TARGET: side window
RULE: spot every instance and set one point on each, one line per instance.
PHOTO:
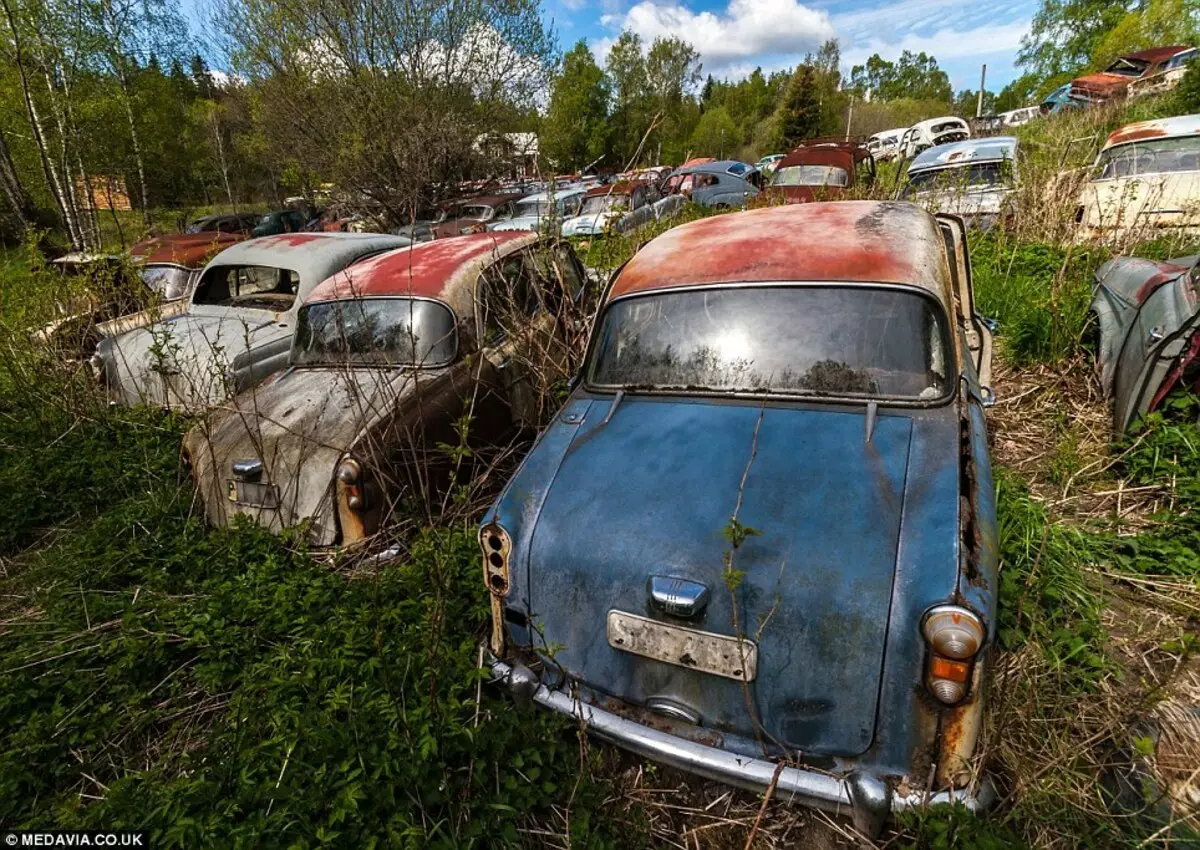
(505, 296)
(703, 180)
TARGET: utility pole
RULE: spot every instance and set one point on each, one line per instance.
(849, 117)
(982, 83)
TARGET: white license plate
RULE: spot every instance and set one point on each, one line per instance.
(253, 493)
(720, 655)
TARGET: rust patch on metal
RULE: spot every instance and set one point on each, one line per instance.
(698, 734)
(811, 242)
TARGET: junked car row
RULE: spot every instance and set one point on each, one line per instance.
(772, 364)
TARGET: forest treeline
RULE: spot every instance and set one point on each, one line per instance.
(386, 101)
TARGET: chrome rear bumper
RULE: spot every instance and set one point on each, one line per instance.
(866, 799)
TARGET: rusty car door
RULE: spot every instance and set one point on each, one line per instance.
(975, 330)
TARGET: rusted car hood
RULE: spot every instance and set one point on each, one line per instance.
(299, 425)
(181, 362)
(1101, 84)
(651, 493)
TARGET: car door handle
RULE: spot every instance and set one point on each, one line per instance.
(1155, 335)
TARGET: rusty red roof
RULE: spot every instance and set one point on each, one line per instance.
(427, 270)
(868, 241)
(1157, 54)
(191, 250)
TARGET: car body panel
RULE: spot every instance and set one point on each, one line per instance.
(299, 425)
(979, 205)
(1169, 75)
(184, 362)
(1147, 203)
(846, 157)
(1106, 84)
(714, 183)
(637, 197)
(857, 518)
(931, 133)
(566, 202)
(1149, 321)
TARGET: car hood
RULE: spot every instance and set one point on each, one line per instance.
(970, 202)
(1101, 83)
(181, 362)
(524, 222)
(592, 223)
(299, 425)
(651, 493)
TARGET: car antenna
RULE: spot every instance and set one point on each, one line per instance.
(616, 400)
(872, 412)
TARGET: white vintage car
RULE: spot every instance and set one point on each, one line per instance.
(1145, 182)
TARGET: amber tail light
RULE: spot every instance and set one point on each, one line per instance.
(955, 636)
(496, 547)
(349, 475)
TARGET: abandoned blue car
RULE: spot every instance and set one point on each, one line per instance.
(758, 543)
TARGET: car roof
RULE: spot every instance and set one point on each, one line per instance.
(716, 167)
(845, 241)
(622, 187)
(444, 269)
(558, 193)
(488, 200)
(1154, 54)
(1160, 128)
(969, 150)
(314, 256)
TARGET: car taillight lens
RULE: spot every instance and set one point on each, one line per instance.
(955, 635)
(496, 546)
(349, 475)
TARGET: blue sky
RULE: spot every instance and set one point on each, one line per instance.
(735, 36)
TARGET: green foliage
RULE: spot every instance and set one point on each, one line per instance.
(1065, 33)
(1187, 94)
(1156, 23)
(799, 115)
(576, 124)
(952, 828)
(913, 75)
(1038, 292)
(715, 134)
(1044, 596)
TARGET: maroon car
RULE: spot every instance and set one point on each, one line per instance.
(820, 170)
(1114, 80)
(472, 215)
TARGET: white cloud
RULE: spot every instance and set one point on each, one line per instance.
(744, 30)
(944, 44)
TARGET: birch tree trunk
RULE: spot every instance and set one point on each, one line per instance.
(127, 99)
(35, 124)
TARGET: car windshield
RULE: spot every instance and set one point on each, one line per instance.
(605, 203)
(808, 340)
(978, 175)
(1153, 156)
(810, 175)
(169, 282)
(202, 225)
(475, 213)
(536, 209)
(1127, 67)
(1181, 59)
(375, 332)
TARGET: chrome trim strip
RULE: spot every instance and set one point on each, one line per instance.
(866, 799)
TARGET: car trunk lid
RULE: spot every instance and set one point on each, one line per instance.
(651, 494)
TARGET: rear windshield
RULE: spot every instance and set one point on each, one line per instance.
(1154, 156)
(810, 175)
(980, 175)
(375, 332)
(819, 340)
(250, 287)
(1127, 67)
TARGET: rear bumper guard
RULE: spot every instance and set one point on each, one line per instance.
(865, 798)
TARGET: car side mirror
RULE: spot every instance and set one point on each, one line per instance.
(573, 381)
(987, 396)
